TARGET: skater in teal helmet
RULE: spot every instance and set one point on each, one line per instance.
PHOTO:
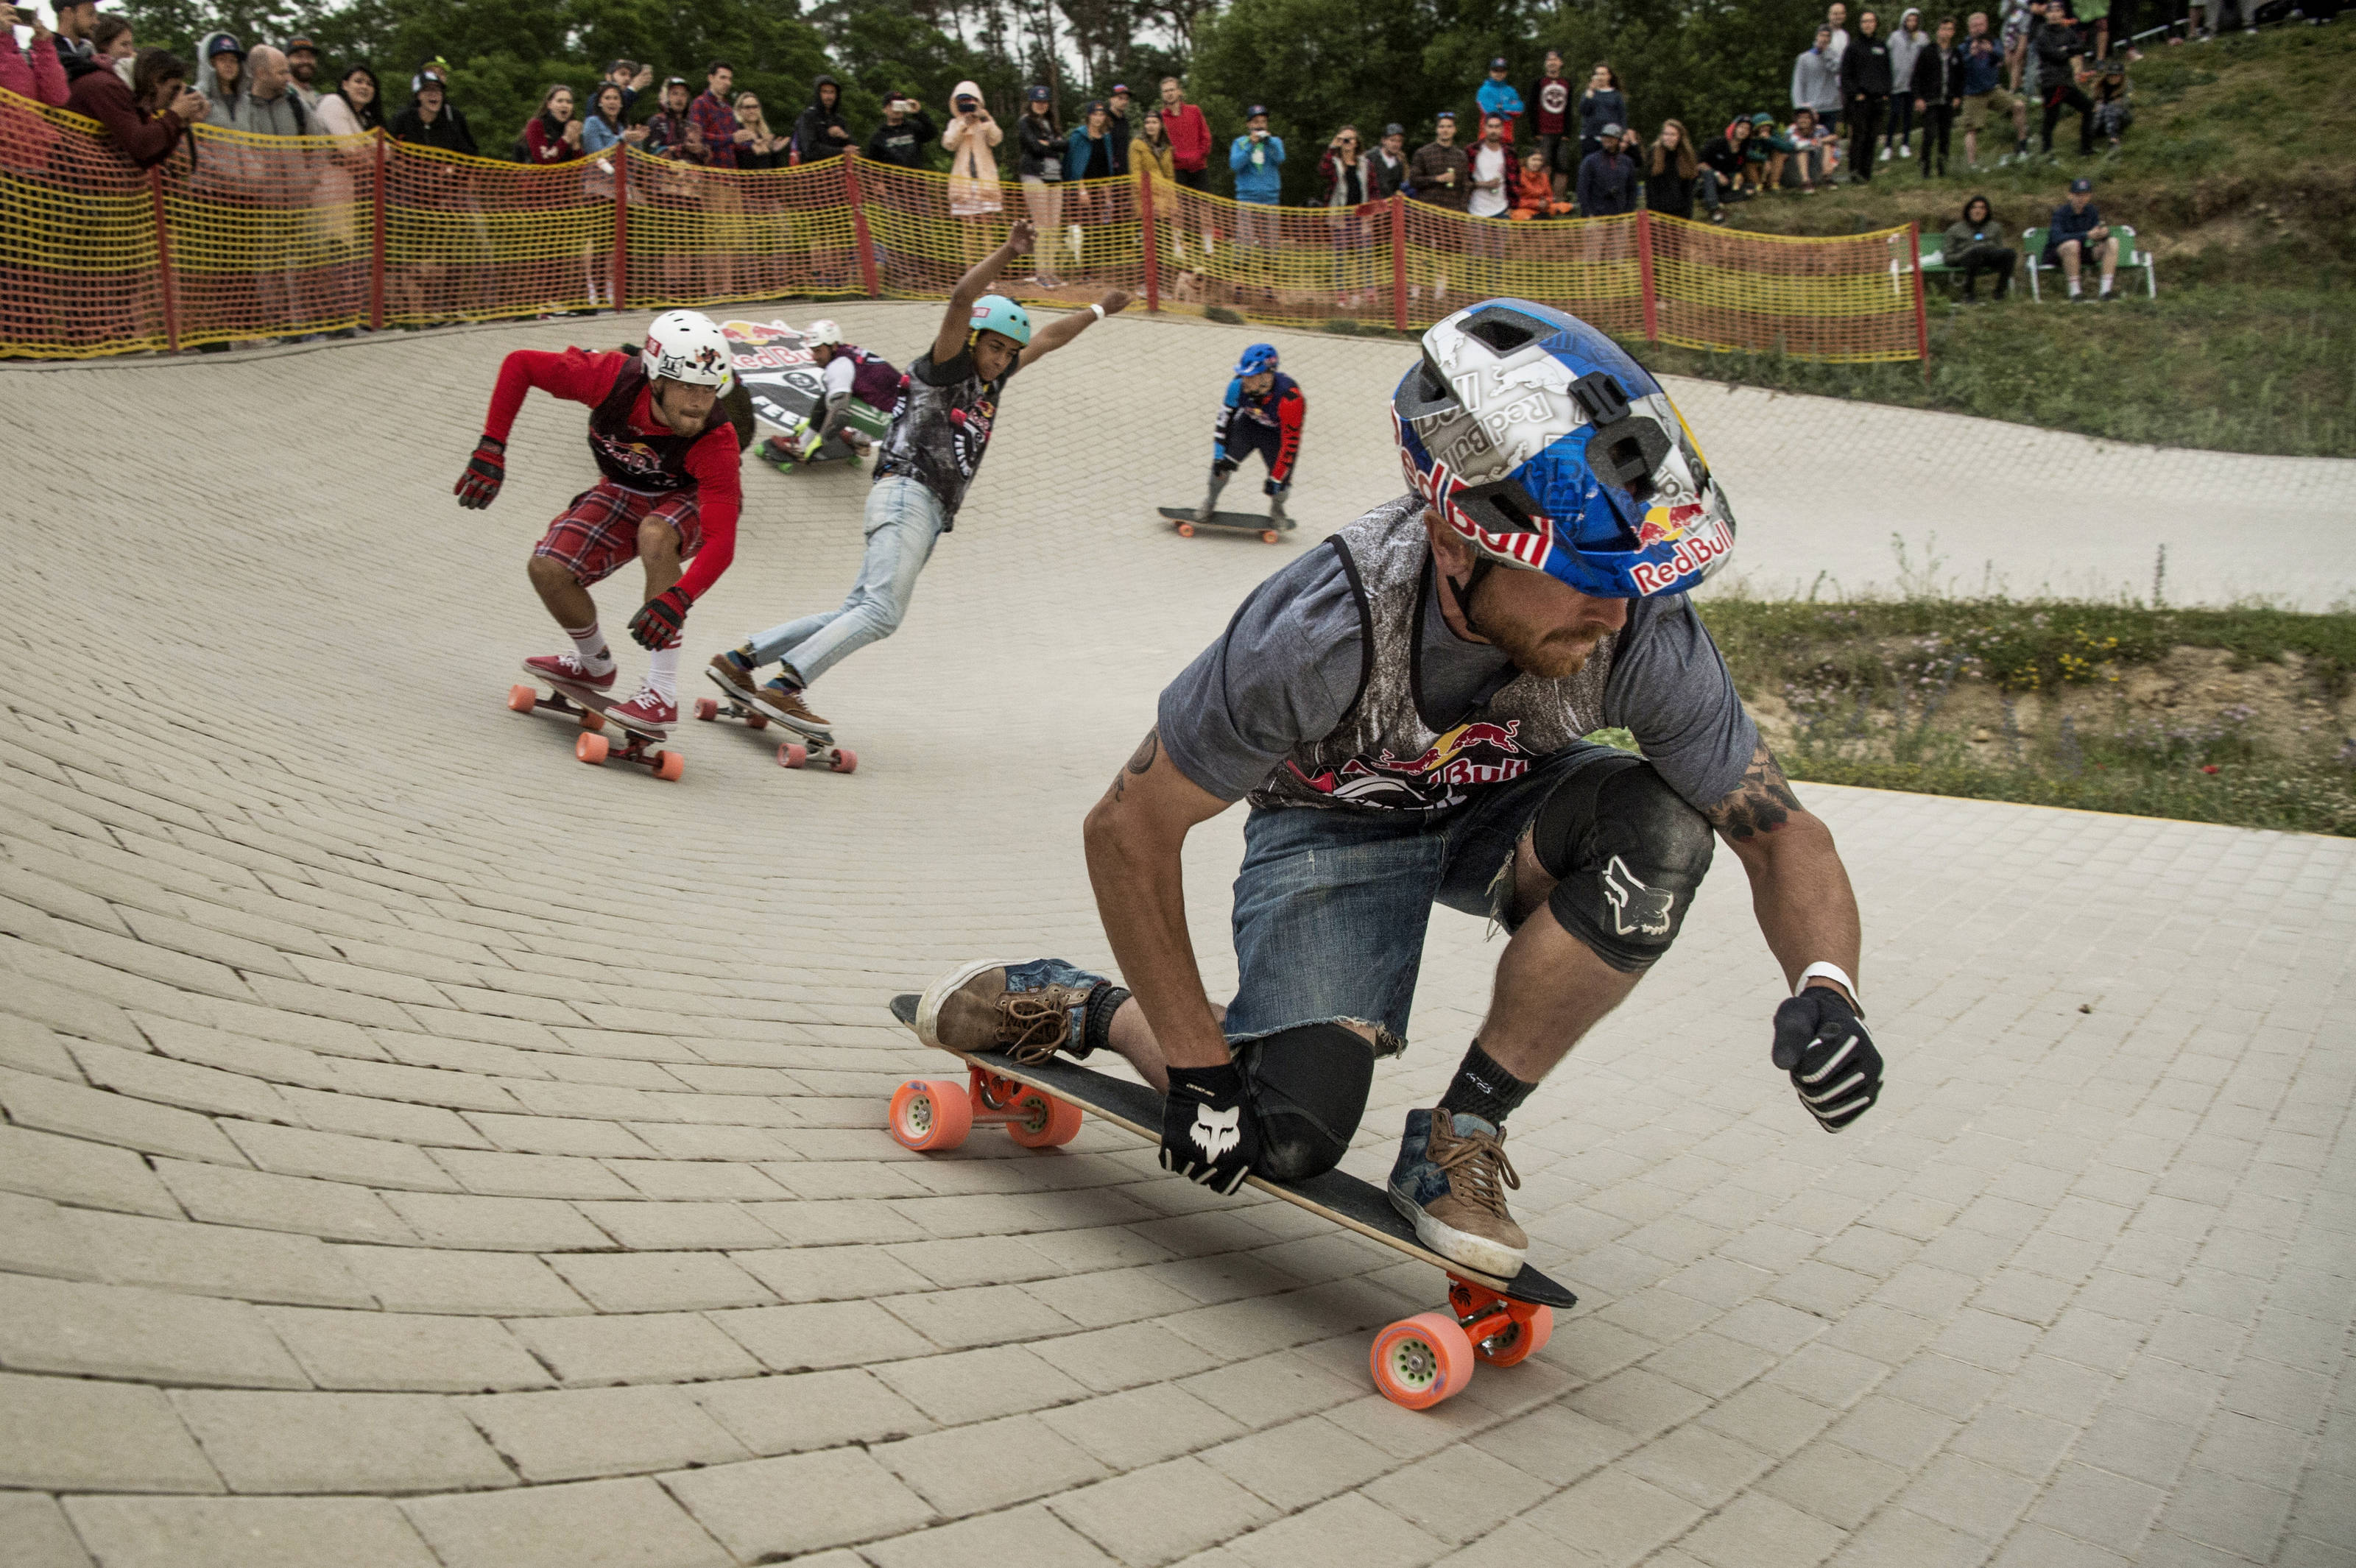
(928, 458)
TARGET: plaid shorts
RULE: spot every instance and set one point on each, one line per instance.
(598, 534)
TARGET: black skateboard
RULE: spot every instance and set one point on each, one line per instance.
(1188, 522)
(1416, 1362)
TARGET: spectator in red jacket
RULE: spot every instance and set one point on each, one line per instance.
(33, 72)
(1189, 136)
(147, 119)
(553, 135)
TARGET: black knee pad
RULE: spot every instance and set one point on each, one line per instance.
(1627, 854)
(1309, 1087)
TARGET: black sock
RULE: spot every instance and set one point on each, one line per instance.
(1483, 1089)
(1095, 1030)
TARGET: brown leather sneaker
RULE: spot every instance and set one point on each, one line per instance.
(733, 673)
(785, 704)
(1029, 1010)
(1450, 1182)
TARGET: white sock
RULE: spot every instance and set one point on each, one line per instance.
(2073, 288)
(662, 671)
(589, 643)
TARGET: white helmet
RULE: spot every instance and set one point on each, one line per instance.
(823, 332)
(686, 345)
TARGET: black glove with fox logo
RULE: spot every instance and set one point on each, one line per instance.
(1822, 1043)
(1208, 1132)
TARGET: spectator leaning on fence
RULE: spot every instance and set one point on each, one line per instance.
(271, 107)
(552, 135)
(1550, 118)
(1386, 163)
(820, 132)
(1150, 150)
(1906, 47)
(431, 120)
(766, 149)
(632, 79)
(1602, 104)
(77, 20)
(1865, 92)
(1345, 172)
(715, 118)
(111, 43)
(1977, 243)
(1607, 180)
(1816, 77)
(147, 119)
(1938, 88)
(1189, 136)
(302, 69)
(607, 125)
(1534, 190)
(33, 72)
(969, 137)
(1089, 152)
(1673, 169)
(1258, 159)
(2076, 234)
(1497, 97)
(1492, 166)
(1039, 147)
(1439, 174)
(223, 81)
(907, 132)
(352, 108)
(671, 133)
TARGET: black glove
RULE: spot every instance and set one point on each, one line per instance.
(1208, 1132)
(1225, 465)
(486, 471)
(659, 619)
(1822, 1043)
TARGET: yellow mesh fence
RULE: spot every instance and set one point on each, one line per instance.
(264, 237)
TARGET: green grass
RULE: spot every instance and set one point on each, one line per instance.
(2235, 174)
(2100, 706)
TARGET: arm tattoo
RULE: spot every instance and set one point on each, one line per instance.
(1140, 761)
(1761, 804)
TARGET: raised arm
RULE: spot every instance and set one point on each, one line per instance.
(1133, 839)
(957, 319)
(1063, 328)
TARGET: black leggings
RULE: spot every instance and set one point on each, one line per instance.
(1901, 118)
(1864, 127)
(2058, 99)
(1938, 124)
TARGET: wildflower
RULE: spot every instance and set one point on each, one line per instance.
(2207, 767)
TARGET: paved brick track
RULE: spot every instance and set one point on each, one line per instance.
(421, 1149)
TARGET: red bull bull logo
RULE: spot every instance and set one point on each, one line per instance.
(1667, 525)
(1476, 754)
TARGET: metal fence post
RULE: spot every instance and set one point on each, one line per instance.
(858, 235)
(1399, 260)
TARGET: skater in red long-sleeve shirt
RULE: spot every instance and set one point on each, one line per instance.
(669, 444)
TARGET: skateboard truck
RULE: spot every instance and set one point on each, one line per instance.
(1420, 1360)
(593, 747)
(938, 1113)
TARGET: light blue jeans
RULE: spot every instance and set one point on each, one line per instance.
(904, 518)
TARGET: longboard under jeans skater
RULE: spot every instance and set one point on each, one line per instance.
(1404, 708)
(936, 441)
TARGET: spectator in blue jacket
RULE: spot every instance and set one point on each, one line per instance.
(1258, 159)
(1499, 98)
(1607, 179)
(2076, 233)
(1097, 152)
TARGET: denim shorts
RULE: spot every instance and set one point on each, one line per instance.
(1332, 903)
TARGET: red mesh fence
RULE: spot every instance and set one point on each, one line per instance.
(241, 236)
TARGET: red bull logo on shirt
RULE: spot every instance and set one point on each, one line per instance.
(1476, 754)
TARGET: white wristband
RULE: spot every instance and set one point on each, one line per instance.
(1099, 310)
(1829, 972)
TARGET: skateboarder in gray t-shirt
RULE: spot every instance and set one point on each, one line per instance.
(1404, 710)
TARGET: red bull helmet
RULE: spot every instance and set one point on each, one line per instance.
(686, 345)
(1547, 449)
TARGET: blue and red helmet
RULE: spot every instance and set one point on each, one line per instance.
(1547, 448)
(1259, 356)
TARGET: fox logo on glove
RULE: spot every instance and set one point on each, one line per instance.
(1217, 1131)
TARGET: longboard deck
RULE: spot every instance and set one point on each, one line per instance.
(599, 703)
(1230, 522)
(1337, 1196)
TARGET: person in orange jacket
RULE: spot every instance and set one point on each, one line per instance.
(1534, 189)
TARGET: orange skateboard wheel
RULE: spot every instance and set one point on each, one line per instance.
(1186, 530)
(1420, 1360)
(756, 721)
(1524, 1335)
(591, 747)
(522, 698)
(931, 1113)
(1051, 1122)
(673, 764)
(792, 755)
(1268, 536)
(845, 759)
(706, 708)
(591, 719)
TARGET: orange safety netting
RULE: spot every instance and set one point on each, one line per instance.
(240, 237)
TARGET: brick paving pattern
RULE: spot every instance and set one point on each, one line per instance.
(420, 1148)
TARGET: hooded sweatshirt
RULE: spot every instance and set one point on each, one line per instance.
(810, 131)
(973, 166)
(1905, 48)
(225, 109)
(1964, 236)
(448, 132)
(1815, 80)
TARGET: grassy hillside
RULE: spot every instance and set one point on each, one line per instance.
(2237, 175)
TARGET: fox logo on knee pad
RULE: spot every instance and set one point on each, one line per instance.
(1635, 906)
(1216, 1133)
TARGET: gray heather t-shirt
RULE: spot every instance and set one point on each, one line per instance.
(1288, 668)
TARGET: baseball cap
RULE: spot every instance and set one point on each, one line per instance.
(1497, 64)
(2081, 186)
(621, 65)
(299, 42)
(1256, 111)
(1607, 133)
(1394, 129)
(671, 82)
(1447, 114)
(1120, 90)
(1039, 95)
(223, 44)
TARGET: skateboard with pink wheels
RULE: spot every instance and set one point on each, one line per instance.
(591, 709)
(1417, 1361)
(1188, 522)
(799, 749)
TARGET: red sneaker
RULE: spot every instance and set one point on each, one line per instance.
(568, 668)
(650, 710)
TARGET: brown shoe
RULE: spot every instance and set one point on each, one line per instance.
(732, 672)
(1450, 1182)
(785, 704)
(1029, 1010)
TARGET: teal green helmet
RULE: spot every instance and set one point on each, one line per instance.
(996, 312)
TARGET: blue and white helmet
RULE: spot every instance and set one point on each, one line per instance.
(1259, 356)
(1542, 444)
